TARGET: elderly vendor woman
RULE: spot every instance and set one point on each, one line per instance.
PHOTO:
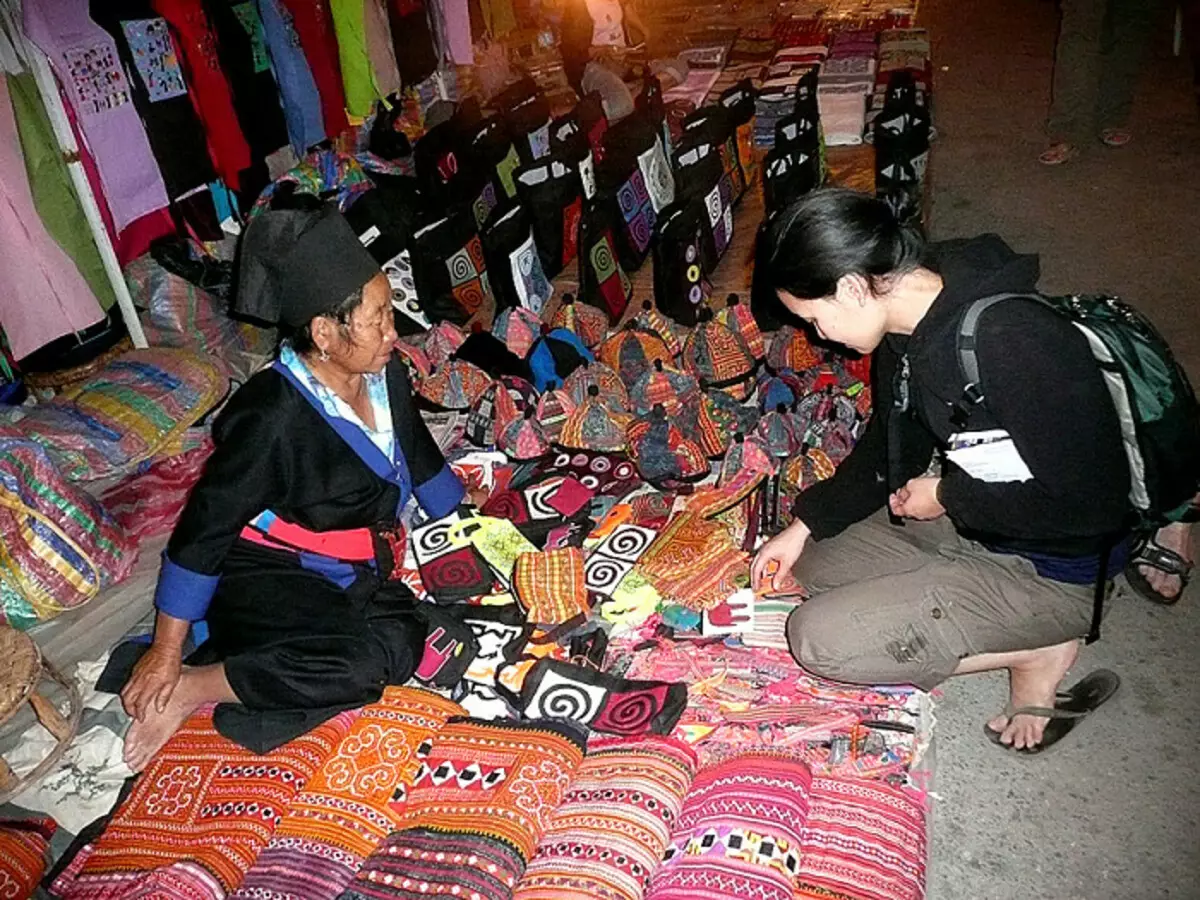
(315, 457)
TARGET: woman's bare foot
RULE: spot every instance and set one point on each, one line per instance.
(197, 686)
(1177, 537)
(1034, 681)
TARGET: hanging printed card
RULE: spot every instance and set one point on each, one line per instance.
(529, 279)
(97, 78)
(155, 57)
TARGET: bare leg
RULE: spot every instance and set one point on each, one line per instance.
(197, 685)
(1177, 537)
(1034, 677)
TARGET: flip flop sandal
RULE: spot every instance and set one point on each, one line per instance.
(1115, 137)
(1070, 708)
(1057, 154)
(1150, 552)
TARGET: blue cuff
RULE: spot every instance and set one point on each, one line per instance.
(182, 593)
(440, 494)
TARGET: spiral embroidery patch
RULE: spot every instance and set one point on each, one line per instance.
(559, 690)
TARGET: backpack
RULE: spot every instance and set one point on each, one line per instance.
(1156, 405)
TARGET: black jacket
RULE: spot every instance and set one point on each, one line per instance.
(1042, 386)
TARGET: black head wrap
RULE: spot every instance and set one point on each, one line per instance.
(297, 263)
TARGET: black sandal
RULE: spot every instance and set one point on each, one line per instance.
(1149, 552)
(1071, 707)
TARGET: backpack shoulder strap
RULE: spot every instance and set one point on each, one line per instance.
(968, 359)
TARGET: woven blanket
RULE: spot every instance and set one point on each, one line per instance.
(352, 803)
(864, 840)
(487, 790)
(151, 503)
(23, 849)
(739, 832)
(198, 816)
(609, 835)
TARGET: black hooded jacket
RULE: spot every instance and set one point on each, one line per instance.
(1041, 385)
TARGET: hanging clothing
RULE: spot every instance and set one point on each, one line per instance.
(208, 85)
(42, 294)
(53, 193)
(88, 66)
(457, 17)
(160, 93)
(314, 25)
(349, 20)
(301, 100)
(412, 35)
(242, 50)
(301, 635)
(379, 48)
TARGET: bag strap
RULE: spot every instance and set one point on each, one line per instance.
(966, 342)
(46, 606)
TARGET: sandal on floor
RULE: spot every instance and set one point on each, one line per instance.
(1150, 552)
(1070, 708)
(1115, 137)
(1057, 154)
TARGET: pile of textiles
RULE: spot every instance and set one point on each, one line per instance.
(847, 78)
(902, 50)
(777, 94)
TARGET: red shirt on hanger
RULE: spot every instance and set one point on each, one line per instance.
(314, 25)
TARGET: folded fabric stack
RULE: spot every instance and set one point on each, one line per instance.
(777, 96)
(901, 49)
(847, 77)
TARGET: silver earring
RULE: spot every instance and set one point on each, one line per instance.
(323, 356)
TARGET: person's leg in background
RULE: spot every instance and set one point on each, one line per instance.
(1076, 79)
(1123, 42)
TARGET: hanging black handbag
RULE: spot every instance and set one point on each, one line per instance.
(514, 265)
(492, 144)
(901, 138)
(450, 171)
(602, 279)
(449, 267)
(714, 124)
(702, 177)
(649, 104)
(632, 152)
(681, 284)
(551, 192)
(739, 100)
(569, 143)
(527, 111)
(788, 174)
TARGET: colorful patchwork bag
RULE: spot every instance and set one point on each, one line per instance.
(449, 267)
(602, 279)
(602, 702)
(551, 585)
(739, 101)
(451, 568)
(517, 276)
(498, 542)
(451, 173)
(702, 178)
(714, 125)
(681, 284)
(552, 193)
(492, 145)
(527, 111)
(58, 545)
(632, 149)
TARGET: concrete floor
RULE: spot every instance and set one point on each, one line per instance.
(1114, 812)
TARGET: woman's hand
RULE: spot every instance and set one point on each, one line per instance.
(772, 566)
(918, 500)
(153, 681)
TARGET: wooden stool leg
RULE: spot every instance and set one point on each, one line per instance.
(50, 717)
(8, 778)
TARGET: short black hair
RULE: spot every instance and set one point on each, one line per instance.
(832, 232)
(301, 338)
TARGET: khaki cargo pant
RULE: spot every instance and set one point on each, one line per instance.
(902, 605)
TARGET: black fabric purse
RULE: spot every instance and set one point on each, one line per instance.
(788, 174)
(651, 106)
(739, 100)
(602, 279)
(569, 143)
(449, 267)
(492, 145)
(715, 125)
(527, 112)
(702, 177)
(514, 264)
(449, 169)
(681, 284)
(552, 193)
(901, 138)
(621, 182)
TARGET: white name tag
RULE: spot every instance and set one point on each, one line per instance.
(988, 456)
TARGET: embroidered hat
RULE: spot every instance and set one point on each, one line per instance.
(664, 455)
(783, 388)
(484, 418)
(746, 416)
(710, 426)
(746, 462)
(650, 319)
(442, 341)
(806, 468)
(588, 322)
(521, 436)
(791, 349)
(595, 426)
(779, 432)
(455, 385)
(738, 319)
(612, 389)
(556, 355)
(415, 358)
(719, 358)
(662, 384)
(632, 351)
(518, 328)
(553, 409)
